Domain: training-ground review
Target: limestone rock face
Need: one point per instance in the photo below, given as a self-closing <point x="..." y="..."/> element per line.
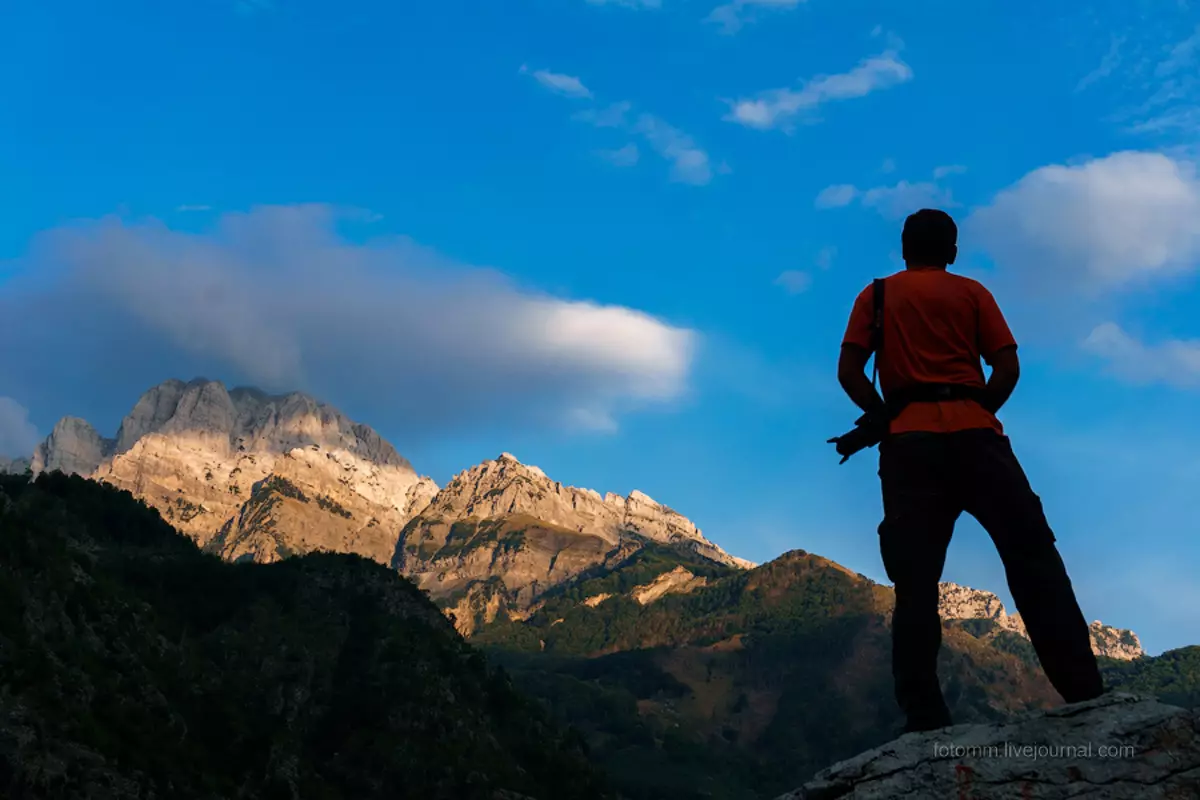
<point x="963" y="603"/>
<point x="505" y="487"/>
<point x="501" y="533"/>
<point x="1117" y="747"/>
<point x="212" y="460"/>
<point x="1115" y="642"/>
<point x="72" y="447"/>
<point x="677" y="581"/>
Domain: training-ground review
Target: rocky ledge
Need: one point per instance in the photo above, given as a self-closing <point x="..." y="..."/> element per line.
<point x="1117" y="747"/>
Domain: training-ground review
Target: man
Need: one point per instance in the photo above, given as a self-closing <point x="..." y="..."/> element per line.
<point x="944" y="453"/>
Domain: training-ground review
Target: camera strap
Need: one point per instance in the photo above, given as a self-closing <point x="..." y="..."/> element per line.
<point x="877" y="330"/>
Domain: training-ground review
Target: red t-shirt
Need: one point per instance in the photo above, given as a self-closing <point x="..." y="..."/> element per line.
<point x="936" y="327"/>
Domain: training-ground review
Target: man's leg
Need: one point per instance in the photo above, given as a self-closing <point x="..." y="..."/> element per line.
<point x="999" y="495"/>
<point x="919" y="511"/>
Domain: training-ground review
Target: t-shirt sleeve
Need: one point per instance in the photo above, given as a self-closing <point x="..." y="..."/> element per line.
<point x="858" y="330"/>
<point x="994" y="334"/>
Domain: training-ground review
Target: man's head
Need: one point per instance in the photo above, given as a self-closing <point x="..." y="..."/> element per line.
<point x="930" y="239"/>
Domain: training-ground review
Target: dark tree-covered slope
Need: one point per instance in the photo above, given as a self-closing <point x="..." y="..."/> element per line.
<point x="133" y="665"/>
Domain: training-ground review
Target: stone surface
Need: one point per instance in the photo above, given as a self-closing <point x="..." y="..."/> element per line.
<point x="677" y="581"/>
<point x="504" y="487"/>
<point x="962" y="603"/>
<point x="1117" y="747"/>
<point x="73" y="447"/>
<point x="197" y="452"/>
<point x="502" y="533"/>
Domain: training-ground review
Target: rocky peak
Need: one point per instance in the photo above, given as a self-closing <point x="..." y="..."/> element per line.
<point x="1115" y="642"/>
<point x="1118" y="747"/>
<point x="72" y="447"/>
<point x="506" y="486"/>
<point x="964" y="603"/>
<point x="201" y="453"/>
<point x="249" y="419"/>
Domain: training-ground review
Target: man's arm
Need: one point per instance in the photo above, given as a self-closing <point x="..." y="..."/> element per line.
<point x="852" y="375"/>
<point x="1006" y="371"/>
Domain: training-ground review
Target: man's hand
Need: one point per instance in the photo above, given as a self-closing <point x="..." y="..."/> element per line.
<point x="1006" y="371"/>
<point x="869" y="430"/>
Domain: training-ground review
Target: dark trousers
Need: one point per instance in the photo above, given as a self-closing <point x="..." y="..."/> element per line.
<point x="928" y="480"/>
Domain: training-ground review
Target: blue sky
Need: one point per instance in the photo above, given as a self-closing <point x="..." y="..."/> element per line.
<point x="620" y="240"/>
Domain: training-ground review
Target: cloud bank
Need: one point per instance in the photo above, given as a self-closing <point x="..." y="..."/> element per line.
<point x="276" y="297"/>
<point x="18" y="436"/>
<point x="1096" y="226"/>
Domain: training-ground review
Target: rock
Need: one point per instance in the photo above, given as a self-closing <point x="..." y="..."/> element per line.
<point x="1117" y="747"/>
<point x="504" y="529"/>
<point x="677" y="581"/>
<point x="202" y="454"/>
<point x="1115" y="642"/>
<point x="72" y="447"/>
<point x="964" y="603"/>
<point x="505" y="487"/>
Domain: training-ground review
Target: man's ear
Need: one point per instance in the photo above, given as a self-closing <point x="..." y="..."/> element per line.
<point x="951" y="254"/>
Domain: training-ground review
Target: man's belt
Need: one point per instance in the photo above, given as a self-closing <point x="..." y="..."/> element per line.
<point x="899" y="399"/>
<point x="870" y="429"/>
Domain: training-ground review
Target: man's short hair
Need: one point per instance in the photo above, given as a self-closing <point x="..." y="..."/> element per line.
<point x="929" y="238"/>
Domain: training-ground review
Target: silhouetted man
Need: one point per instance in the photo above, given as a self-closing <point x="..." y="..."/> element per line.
<point x="944" y="453"/>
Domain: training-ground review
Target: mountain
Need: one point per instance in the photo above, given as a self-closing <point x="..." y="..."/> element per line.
<point x="132" y="665"/>
<point x="502" y="533"/>
<point x="693" y="679"/>
<point x="250" y="475"/>
<point x="1118" y="747"/>
<point x="987" y="618"/>
<point x="258" y="477"/>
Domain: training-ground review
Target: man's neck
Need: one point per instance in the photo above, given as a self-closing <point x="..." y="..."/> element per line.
<point x="912" y="266"/>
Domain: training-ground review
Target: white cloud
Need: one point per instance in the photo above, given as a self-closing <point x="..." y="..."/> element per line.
<point x="837" y="196"/>
<point x="1112" y="58"/>
<point x="1096" y="225"/>
<point x="187" y="208"/>
<point x="689" y="163"/>
<point x="18" y="436"/>
<point x="778" y="108"/>
<point x="1175" y="362"/>
<point x="891" y="201"/>
<point x="794" y="281"/>
<point x="732" y="16"/>
<point x="825" y="257"/>
<point x="626" y="156"/>
<point x="565" y="85"/>
<point x="277" y="298"/>
<point x="950" y="169"/>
